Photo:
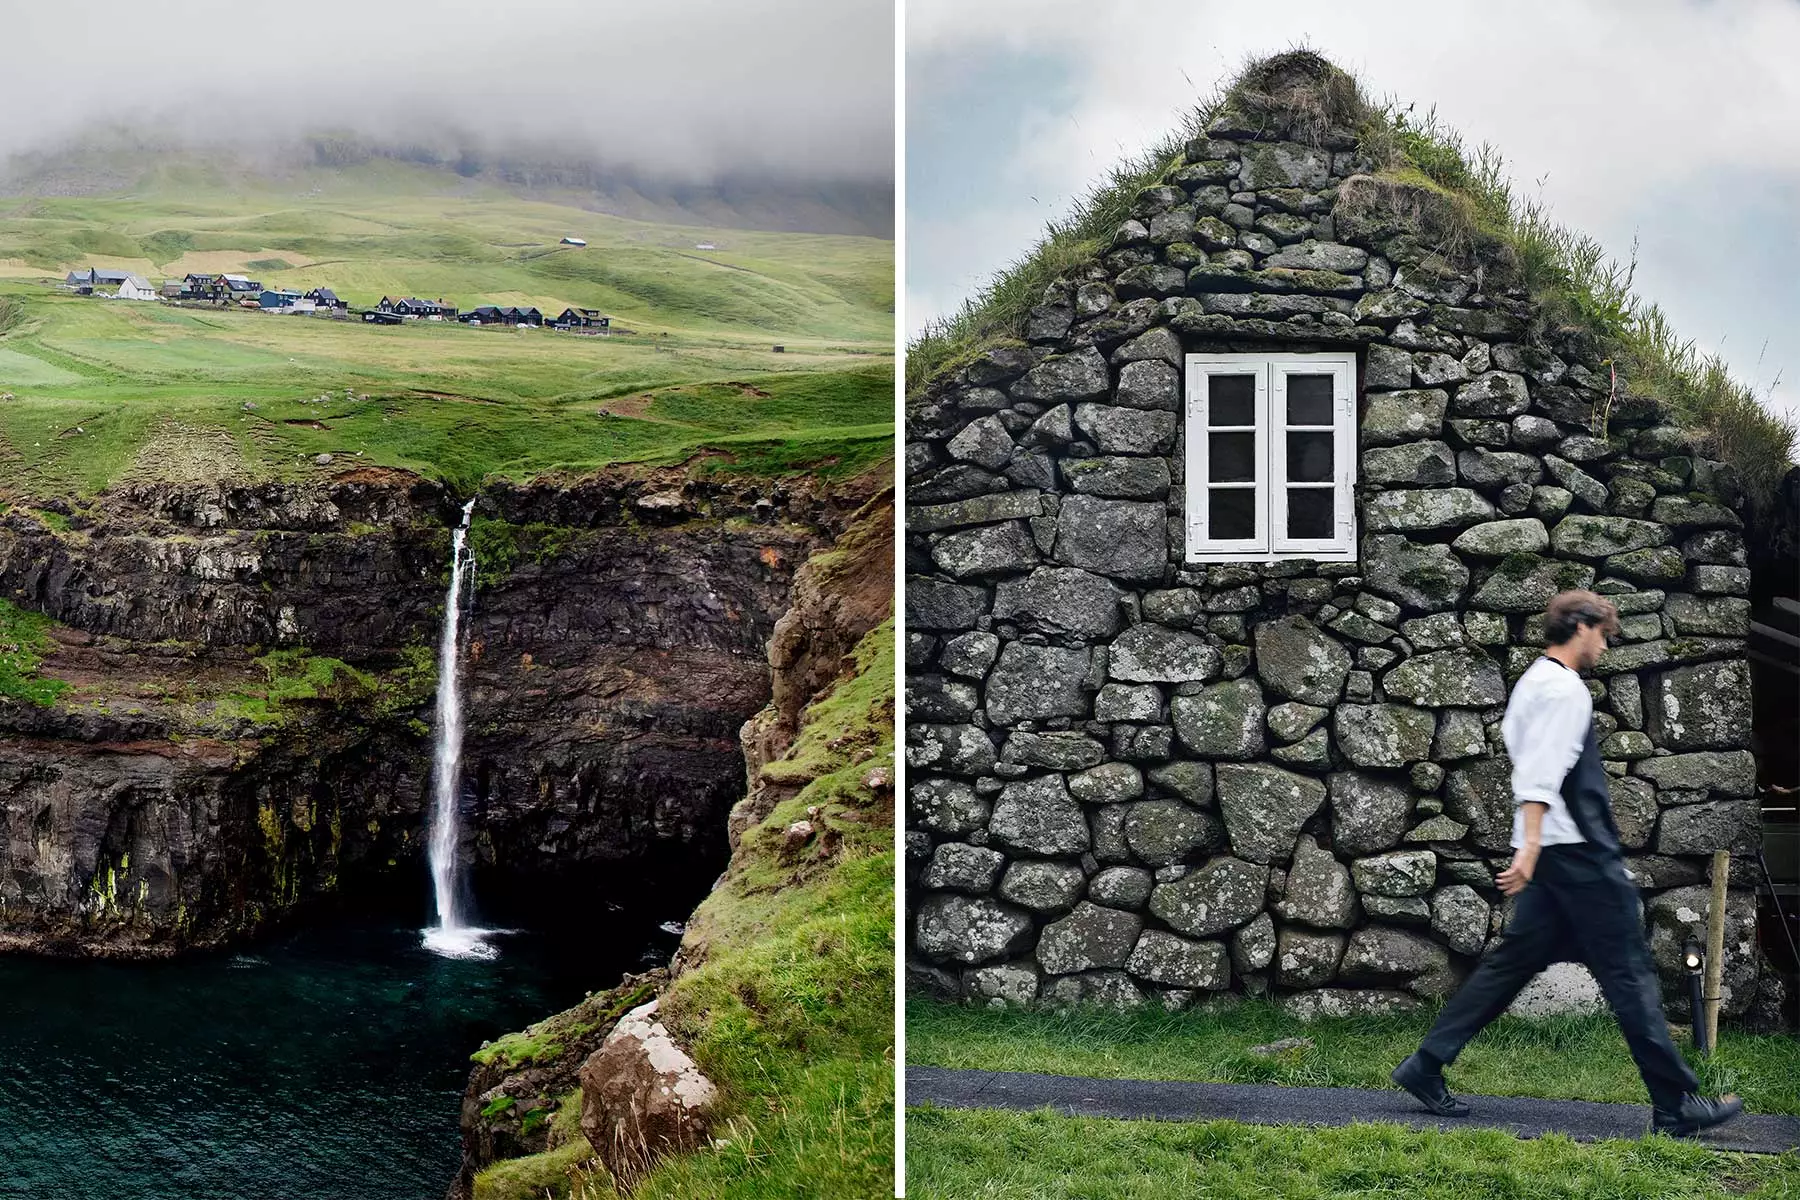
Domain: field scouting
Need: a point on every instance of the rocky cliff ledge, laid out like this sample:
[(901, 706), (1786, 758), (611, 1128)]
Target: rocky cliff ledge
[(782, 988), (237, 680)]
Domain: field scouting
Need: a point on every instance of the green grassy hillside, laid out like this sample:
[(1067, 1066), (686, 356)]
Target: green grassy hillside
[(103, 389)]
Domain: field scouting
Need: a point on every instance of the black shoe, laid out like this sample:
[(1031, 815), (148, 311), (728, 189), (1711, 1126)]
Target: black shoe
[(1426, 1084), (1694, 1114)]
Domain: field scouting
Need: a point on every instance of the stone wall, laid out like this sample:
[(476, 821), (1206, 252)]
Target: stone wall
[(1136, 780)]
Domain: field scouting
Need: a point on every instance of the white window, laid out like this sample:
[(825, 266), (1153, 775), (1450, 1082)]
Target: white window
[(1271, 457)]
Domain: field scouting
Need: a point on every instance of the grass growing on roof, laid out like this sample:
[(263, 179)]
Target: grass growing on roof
[(996, 1155), (791, 1011), (1565, 1058), (1460, 198)]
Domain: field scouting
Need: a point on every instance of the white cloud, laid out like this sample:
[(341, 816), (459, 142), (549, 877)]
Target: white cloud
[(1650, 119)]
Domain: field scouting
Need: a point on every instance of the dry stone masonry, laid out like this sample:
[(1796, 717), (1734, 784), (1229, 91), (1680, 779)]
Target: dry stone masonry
[(1136, 779)]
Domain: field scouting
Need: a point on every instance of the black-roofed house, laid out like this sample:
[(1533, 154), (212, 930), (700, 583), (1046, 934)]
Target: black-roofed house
[(581, 318), (412, 306), (325, 298)]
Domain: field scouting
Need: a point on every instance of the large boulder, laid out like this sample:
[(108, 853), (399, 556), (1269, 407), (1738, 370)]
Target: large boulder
[(1304, 958), (970, 929), (1405, 510), (1031, 683), (1599, 537), (1173, 961), (1150, 653), (1425, 577), (1125, 539), (1222, 895), (1300, 662), (1497, 539), (1480, 796), (643, 1097), (1161, 832), (1383, 735), (1525, 583), (1714, 825), (1265, 808), (1728, 773), (1089, 938), (1703, 707), (1224, 721), (1384, 954), (1681, 913), (1318, 889), (1316, 1003), (1396, 873), (1038, 816), (1369, 813), (1464, 678), (1042, 886), (1460, 916), (1061, 601)]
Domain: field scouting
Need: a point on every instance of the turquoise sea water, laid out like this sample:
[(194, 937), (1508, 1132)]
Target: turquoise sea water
[(325, 1064)]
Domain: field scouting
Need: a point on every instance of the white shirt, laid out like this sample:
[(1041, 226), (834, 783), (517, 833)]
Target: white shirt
[(1546, 725)]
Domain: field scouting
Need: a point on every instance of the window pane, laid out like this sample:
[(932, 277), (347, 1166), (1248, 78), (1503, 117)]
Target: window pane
[(1309, 457), (1309, 399), (1231, 399), (1231, 457), (1232, 513), (1309, 512)]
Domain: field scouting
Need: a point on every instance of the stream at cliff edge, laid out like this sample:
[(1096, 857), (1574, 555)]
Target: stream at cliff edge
[(324, 1064)]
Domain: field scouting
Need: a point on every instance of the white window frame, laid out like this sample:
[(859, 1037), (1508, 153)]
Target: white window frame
[(1269, 542)]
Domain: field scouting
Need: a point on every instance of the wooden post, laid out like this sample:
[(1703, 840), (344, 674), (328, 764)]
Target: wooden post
[(1715, 946)]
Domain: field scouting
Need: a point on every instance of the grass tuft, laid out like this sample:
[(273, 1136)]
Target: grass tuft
[(24, 638)]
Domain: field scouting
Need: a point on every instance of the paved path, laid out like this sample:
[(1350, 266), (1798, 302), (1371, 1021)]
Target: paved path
[(1271, 1104)]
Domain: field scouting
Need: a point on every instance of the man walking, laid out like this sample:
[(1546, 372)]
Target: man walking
[(1571, 895)]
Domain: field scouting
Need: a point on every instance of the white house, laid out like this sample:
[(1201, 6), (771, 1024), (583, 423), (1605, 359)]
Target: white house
[(573, 241), (136, 287)]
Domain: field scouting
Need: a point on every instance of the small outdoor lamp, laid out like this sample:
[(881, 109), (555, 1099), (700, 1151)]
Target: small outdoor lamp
[(1694, 958)]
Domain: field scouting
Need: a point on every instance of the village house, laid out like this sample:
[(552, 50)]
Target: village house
[(412, 306), (581, 318), (1223, 570), (136, 287), (287, 302), (86, 279), (326, 298), (489, 314)]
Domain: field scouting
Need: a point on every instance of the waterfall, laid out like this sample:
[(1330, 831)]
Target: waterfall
[(450, 936)]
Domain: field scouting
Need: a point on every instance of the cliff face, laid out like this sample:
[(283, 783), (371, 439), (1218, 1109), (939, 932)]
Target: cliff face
[(811, 866), (250, 673)]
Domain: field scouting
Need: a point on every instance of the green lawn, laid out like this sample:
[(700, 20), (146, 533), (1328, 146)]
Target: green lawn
[(1572, 1058), (104, 390), (991, 1155)]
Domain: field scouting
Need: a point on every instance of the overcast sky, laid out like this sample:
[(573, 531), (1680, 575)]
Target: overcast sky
[(693, 88), (1677, 123)]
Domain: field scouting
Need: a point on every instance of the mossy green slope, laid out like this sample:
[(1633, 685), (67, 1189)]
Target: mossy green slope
[(94, 391), (791, 1010)]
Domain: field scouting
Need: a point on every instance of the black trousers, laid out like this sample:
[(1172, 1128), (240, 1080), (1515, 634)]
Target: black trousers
[(1578, 906)]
